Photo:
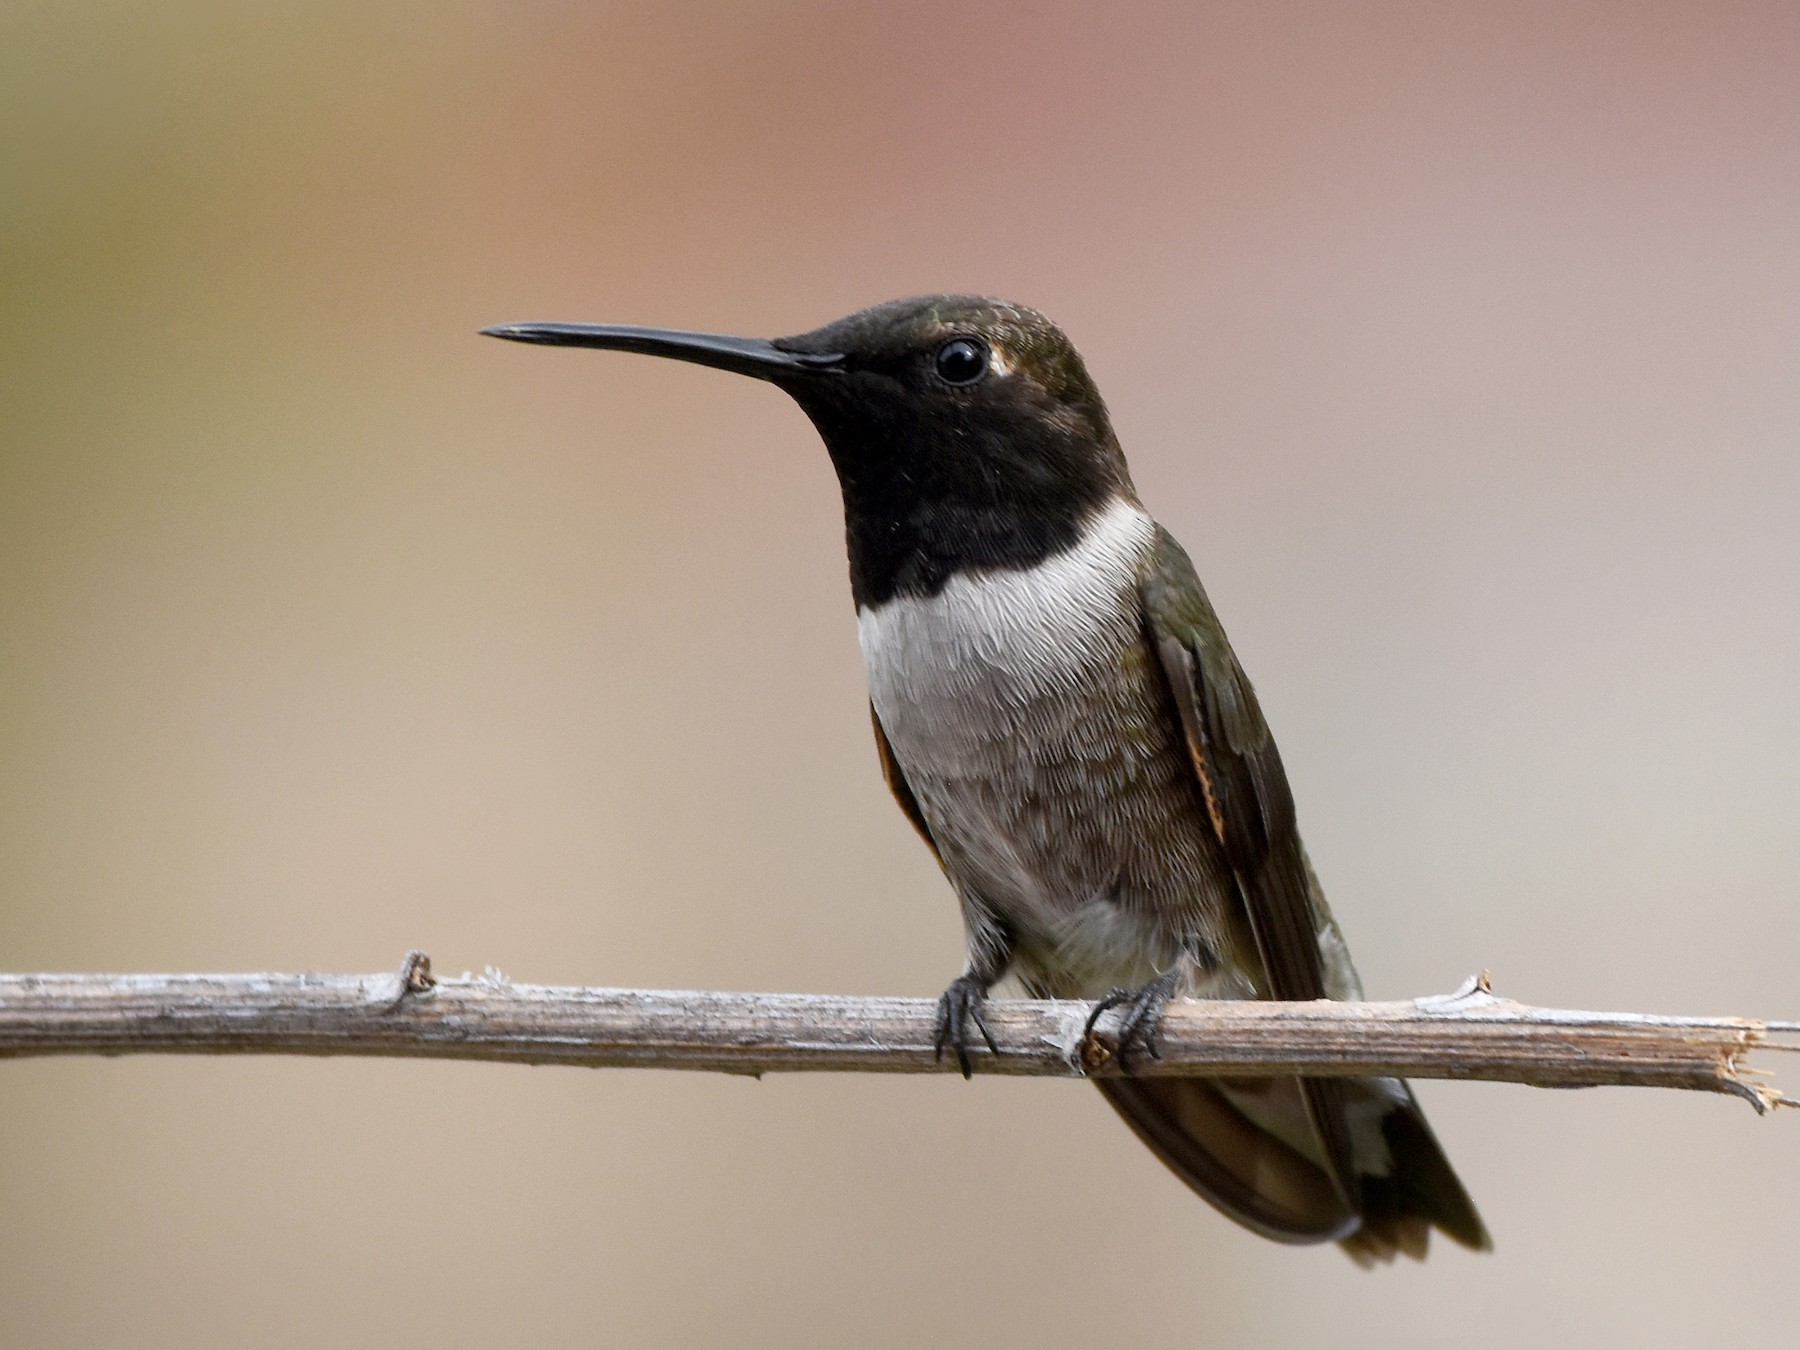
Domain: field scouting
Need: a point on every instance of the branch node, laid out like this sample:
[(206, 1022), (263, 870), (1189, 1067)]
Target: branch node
[(1093, 1055), (413, 977), (1472, 992)]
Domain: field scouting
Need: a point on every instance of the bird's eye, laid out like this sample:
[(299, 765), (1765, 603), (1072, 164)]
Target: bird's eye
[(962, 360)]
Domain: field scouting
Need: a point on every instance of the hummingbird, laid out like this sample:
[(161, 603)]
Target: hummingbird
[(1059, 714)]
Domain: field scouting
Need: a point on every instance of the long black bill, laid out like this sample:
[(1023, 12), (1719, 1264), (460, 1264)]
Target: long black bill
[(756, 357)]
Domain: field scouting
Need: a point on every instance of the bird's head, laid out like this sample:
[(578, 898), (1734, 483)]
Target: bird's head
[(957, 423)]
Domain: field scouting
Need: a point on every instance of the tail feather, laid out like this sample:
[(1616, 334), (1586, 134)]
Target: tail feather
[(1419, 1192), (1248, 1173), (1252, 1171)]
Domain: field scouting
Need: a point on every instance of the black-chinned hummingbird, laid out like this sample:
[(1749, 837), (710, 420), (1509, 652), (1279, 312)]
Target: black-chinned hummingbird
[(1058, 712)]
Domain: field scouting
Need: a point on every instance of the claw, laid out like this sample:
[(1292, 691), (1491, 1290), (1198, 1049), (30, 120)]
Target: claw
[(1143, 1015), (961, 1005), (1112, 999)]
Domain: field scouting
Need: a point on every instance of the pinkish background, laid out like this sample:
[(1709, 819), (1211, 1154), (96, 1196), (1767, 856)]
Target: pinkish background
[(1458, 343)]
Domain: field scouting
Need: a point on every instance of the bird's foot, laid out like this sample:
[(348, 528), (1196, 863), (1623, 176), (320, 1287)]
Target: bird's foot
[(957, 1011), (1143, 1015)]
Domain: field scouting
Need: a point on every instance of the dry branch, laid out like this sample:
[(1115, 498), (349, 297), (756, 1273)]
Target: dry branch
[(1468, 1034)]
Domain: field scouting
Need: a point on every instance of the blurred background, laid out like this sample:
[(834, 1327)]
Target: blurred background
[(1458, 344)]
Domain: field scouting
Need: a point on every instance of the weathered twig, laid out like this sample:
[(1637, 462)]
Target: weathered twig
[(1468, 1034)]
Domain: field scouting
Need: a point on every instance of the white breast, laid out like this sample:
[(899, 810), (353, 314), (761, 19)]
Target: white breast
[(991, 643), (1032, 731)]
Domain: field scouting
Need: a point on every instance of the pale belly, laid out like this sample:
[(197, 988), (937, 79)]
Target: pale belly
[(1027, 716)]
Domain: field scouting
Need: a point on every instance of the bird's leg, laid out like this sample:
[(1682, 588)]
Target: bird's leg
[(989, 955), (1143, 1015), (957, 1011)]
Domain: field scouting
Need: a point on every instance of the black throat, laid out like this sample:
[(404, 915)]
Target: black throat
[(928, 497), (916, 554)]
